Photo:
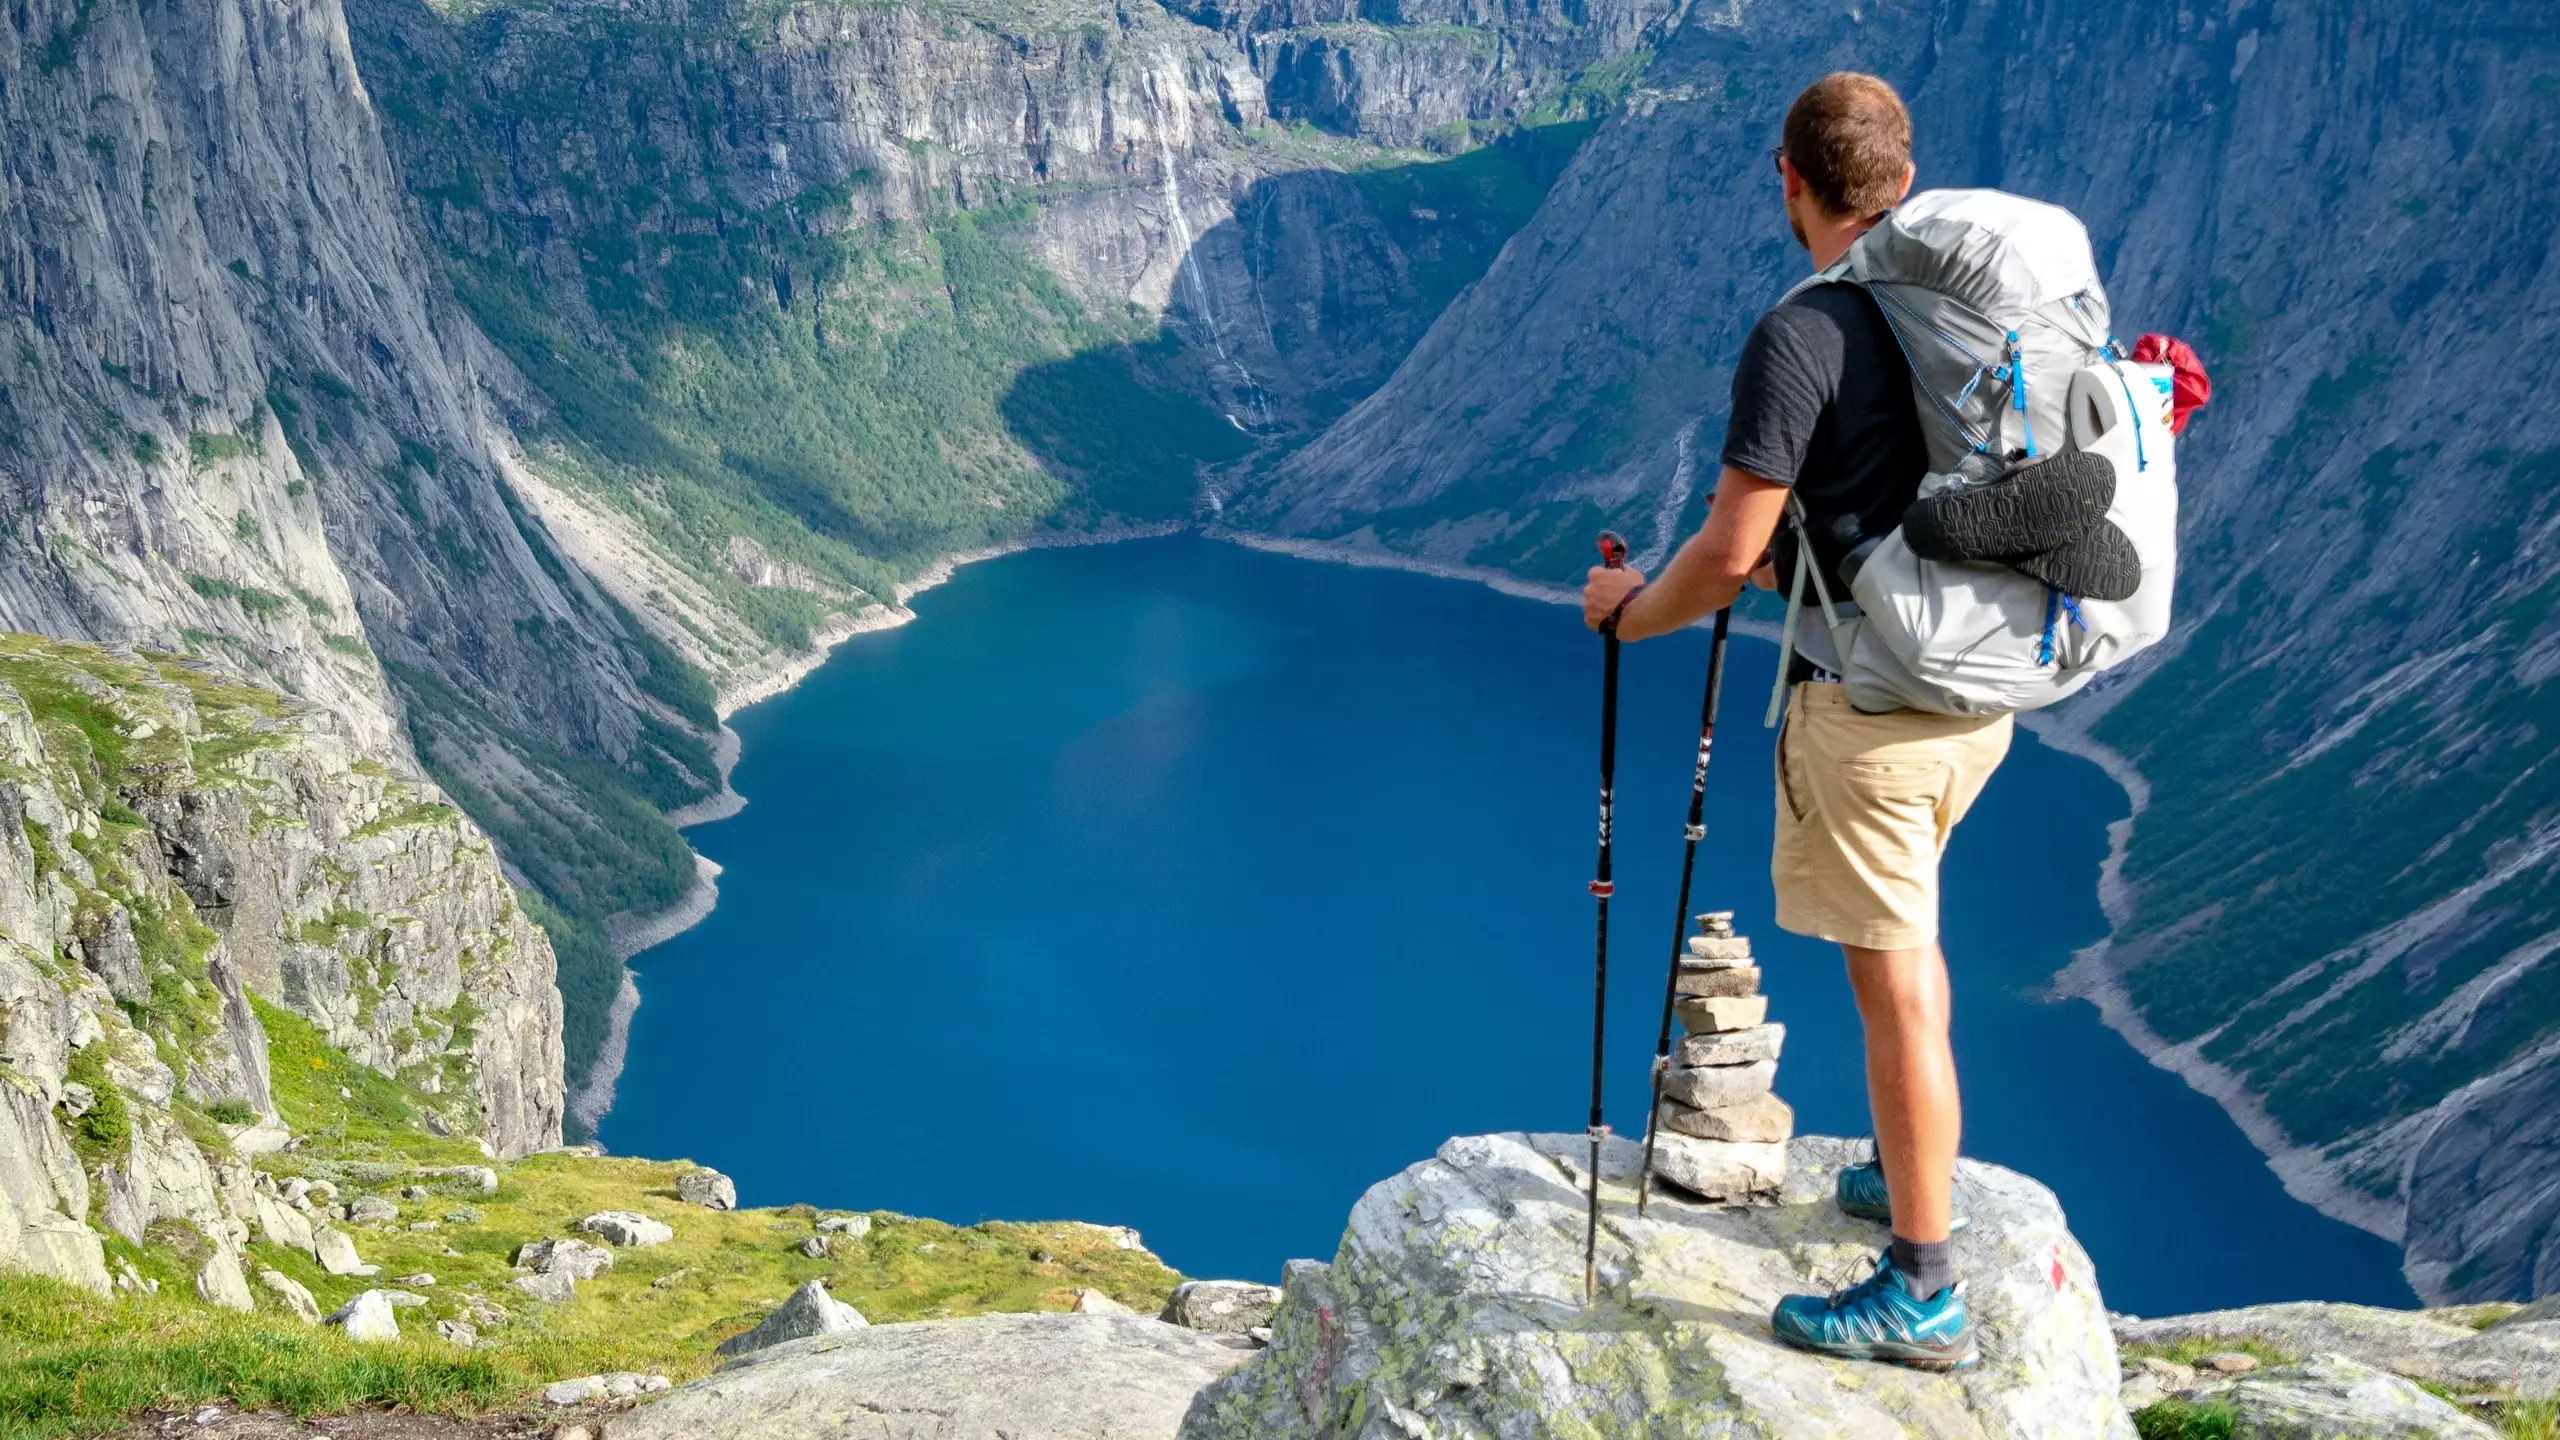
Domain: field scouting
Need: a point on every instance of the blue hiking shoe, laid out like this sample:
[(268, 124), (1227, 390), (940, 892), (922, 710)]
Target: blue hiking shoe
[(1862, 1194), (1880, 1319)]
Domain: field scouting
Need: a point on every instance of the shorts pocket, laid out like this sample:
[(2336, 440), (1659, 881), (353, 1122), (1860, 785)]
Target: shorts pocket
[(1894, 779), (1787, 785)]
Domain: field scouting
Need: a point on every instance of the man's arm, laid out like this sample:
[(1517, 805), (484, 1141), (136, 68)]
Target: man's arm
[(1709, 571)]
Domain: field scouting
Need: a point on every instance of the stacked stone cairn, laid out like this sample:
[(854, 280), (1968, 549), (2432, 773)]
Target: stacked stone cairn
[(1720, 1133)]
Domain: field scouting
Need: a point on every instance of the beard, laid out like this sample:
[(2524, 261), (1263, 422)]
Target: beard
[(1797, 226)]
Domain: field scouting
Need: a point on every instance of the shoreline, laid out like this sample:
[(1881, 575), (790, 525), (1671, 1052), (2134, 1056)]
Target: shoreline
[(2304, 1172), (631, 935)]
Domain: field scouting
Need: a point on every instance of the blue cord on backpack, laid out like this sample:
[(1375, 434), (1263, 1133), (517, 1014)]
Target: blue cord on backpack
[(2132, 413), (2017, 368), (2052, 611)]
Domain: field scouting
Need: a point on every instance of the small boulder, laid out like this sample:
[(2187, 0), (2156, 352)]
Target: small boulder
[(816, 1247), (421, 1279), (221, 1283), (292, 1293), (809, 1311), (371, 1210), (281, 1223), (707, 1188), (1221, 1307), (367, 1317), (457, 1332), (574, 1258), (404, 1299), (550, 1289), (626, 1227), (851, 1226), (335, 1252), (1094, 1302), (477, 1178), (2230, 1362)]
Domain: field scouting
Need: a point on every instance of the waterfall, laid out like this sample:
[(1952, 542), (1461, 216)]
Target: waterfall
[(1188, 267)]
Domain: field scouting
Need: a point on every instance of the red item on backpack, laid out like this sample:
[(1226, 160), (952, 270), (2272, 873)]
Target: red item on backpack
[(2191, 387)]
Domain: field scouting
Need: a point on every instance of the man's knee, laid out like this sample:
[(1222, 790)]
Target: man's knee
[(1905, 989)]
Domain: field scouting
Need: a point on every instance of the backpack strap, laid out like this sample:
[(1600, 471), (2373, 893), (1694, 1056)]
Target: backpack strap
[(1805, 565)]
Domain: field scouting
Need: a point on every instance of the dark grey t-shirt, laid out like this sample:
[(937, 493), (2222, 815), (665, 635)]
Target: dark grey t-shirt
[(1822, 402)]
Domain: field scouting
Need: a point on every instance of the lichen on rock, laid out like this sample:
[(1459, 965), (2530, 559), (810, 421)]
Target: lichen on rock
[(1454, 1308)]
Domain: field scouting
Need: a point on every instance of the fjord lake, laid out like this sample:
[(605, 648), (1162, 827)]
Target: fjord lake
[(1177, 885)]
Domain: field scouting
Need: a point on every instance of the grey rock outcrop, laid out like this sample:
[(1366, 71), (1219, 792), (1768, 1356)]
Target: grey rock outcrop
[(370, 1316), (550, 1288), (1221, 1307), (1070, 1377), (292, 1294), (571, 1257), (810, 1310), (707, 1188), (2520, 1354), (2327, 1396), (335, 1251), (619, 1386), (1455, 1306), (627, 1228), (220, 1283)]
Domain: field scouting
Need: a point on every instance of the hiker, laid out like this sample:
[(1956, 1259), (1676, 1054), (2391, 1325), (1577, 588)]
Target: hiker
[(1823, 407)]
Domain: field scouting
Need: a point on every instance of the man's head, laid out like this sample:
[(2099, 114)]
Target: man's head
[(1847, 156)]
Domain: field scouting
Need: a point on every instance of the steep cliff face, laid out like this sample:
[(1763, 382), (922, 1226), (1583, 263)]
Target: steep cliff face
[(2339, 903), (803, 300), (177, 843), (239, 416)]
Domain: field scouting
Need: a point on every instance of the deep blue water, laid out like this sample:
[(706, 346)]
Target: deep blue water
[(1175, 885)]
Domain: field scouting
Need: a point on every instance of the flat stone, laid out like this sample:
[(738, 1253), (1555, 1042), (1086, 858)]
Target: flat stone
[(1456, 1309), (1716, 923), (1221, 1307), (809, 1311), (627, 1227), (1722, 1012), (1730, 1047), (292, 1293), (1710, 951), (1762, 1118), (988, 1377), (707, 1188), (1721, 981), (571, 1257), (1719, 1169), (367, 1317), (2324, 1397), (457, 1332), (2229, 1362), (850, 1226), (550, 1289), (1095, 1302), (335, 1252), (371, 1210), (615, 1385), (1717, 1086), (404, 1299)]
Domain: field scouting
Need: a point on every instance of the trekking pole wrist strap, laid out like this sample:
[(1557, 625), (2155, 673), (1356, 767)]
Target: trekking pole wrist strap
[(1610, 625)]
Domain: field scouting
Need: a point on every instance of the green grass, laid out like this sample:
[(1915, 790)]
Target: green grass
[(2179, 1420), (72, 1363)]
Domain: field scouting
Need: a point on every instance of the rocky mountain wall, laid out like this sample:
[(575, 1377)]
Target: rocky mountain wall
[(2336, 208), (177, 843)]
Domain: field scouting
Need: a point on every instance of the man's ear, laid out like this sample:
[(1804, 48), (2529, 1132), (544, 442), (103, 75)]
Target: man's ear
[(1910, 172)]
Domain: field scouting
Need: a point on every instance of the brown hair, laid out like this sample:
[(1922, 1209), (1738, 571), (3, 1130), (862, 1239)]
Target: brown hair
[(1850, 138)]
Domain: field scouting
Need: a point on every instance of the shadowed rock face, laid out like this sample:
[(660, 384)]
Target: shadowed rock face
[(1456, 1303)]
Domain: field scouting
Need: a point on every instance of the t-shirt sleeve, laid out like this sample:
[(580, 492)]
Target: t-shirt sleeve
[(1780, 387)]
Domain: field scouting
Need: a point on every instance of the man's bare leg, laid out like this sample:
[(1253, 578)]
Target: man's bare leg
[(1911, 1082)]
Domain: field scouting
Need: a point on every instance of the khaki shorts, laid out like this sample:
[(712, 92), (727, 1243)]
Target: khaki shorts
[(1865, 805)]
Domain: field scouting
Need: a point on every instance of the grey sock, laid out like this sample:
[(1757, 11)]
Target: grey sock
[(1929, 1266)]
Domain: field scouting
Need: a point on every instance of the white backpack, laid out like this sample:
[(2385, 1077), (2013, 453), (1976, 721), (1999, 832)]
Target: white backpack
[(1996, 302)]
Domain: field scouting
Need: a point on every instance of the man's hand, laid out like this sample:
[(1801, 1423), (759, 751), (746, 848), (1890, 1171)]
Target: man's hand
[(1604, 589)]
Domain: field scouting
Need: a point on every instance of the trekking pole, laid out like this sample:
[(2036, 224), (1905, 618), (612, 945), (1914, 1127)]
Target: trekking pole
[(1680, 913), (1613, 554)]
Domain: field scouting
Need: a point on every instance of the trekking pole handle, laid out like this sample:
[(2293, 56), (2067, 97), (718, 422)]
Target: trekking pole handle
[(1613, 551)]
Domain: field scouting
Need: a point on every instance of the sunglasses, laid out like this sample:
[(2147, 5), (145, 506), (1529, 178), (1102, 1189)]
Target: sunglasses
[(1778, 158)]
